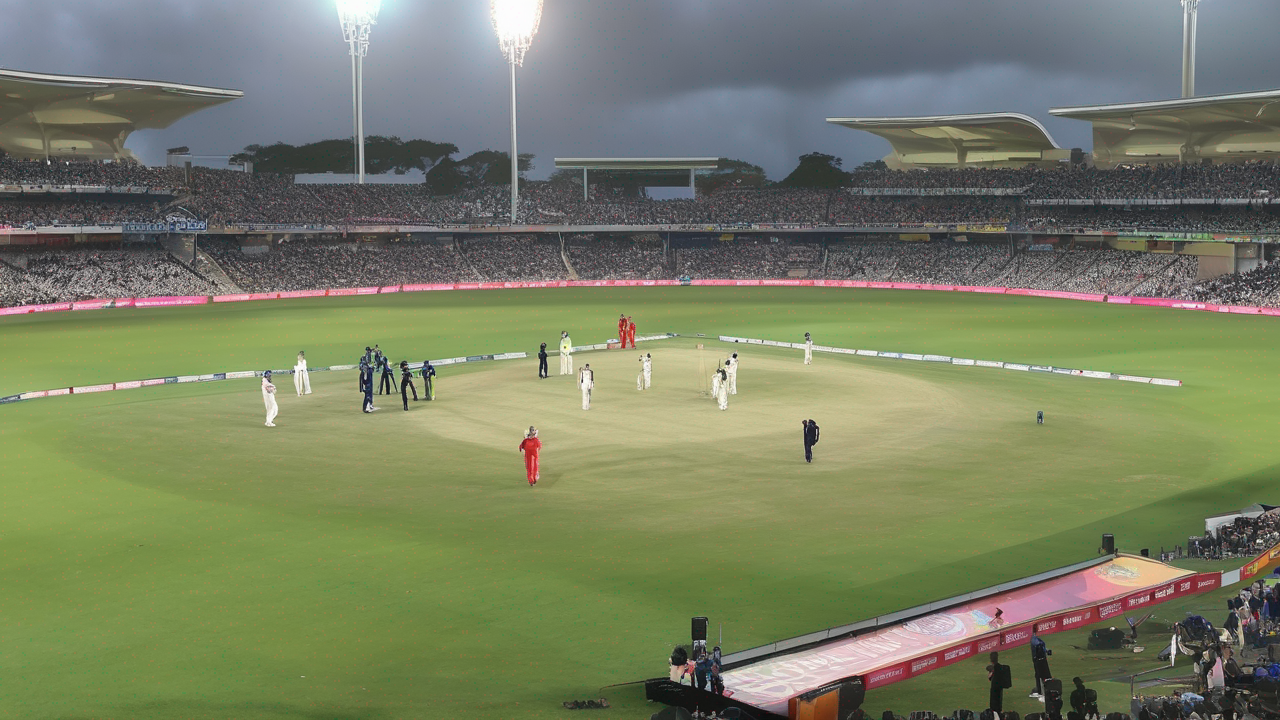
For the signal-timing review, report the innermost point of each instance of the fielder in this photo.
(715, 382)
(269, 399)
(722, 392)
(646, 372)
(622, 331)
(406, 383)
(301, 376)
(428, 380)
(631, 333)
(586, 381)
(566, 353)
(530, 447)
(366, 384)
(808, 349)
(731, 371)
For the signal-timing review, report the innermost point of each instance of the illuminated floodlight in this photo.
(515, 22)
(357, 18)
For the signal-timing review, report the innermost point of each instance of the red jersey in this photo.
(622, 327)
(531, 446)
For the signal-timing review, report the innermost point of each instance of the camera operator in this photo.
(1039, 663)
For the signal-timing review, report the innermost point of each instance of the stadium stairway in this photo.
(564, 255)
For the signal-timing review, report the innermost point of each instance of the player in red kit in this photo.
(622, 331)
(530, 447)
(631, 333)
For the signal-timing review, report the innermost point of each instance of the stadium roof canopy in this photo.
(1229, 128)
(44, 116)
(986, 139)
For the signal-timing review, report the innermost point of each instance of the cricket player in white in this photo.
(731, 370)
(646, 372)
(301, 376)
(269, 398)
(722, 391)
(566, 353)
(715, 382)
(586, 381)
(808, 349)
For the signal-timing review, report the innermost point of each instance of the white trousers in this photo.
(640, 381)
(722, 399)
(272, 408)
(715, 385)
(808, 355)
(733, 383)
(302, 381)
(586, 398)
(566, 364)
(648, 377)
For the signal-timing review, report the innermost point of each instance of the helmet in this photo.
(266, 373)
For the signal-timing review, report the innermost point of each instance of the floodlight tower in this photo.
(357, 18)
(1189, 8)
(515, 22)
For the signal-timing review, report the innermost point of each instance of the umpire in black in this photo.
(542, 361)
(406, 383)
(810, 438)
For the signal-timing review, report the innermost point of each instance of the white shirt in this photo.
(302, 364)
(566, 345)
(586, 378)
(648, 365)
(732, 366)
(267, 389)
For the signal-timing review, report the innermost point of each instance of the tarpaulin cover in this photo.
(925, 643)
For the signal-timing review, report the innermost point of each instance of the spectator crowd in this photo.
(226, 197)
(303, 264)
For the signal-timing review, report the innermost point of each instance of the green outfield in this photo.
(164, 555)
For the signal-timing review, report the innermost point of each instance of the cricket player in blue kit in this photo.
(366, 384)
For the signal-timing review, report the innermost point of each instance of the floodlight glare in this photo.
(515, 22)
(357, 17)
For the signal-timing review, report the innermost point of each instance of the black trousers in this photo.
(808, 452)
(386, 387)
(405, 386)
(542, 367)
(429, 388)
(996, 701)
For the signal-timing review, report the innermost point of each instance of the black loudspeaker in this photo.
(1146, 552)
(1077, 156)
(700, 629)
(852, 694)
(1108, 544)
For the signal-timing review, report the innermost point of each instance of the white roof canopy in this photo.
(986, 139)
(43, 115)
(1234, 127)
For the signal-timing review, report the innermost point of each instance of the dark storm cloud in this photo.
(739, 78)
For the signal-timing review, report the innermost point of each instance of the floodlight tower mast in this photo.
(1189, 8)
(357, 18)
(515, 22)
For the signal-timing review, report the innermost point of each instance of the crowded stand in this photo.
(601, 259)
(224, 267)
(305, 265)
(55, 212)
(515, 258)
(51, 277)
(97, 174)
